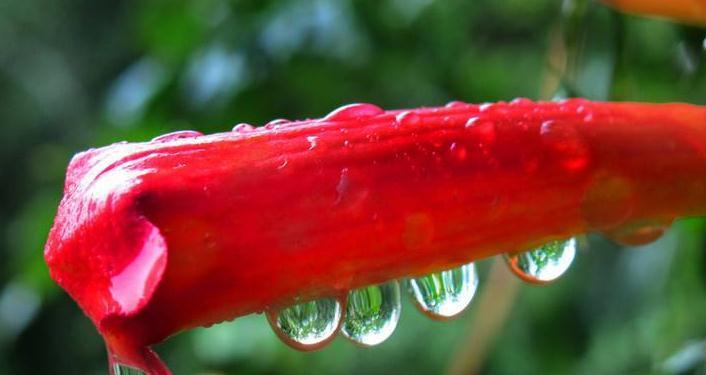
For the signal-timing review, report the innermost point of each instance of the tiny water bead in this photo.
(408, 118)
(372, 313)
(354, 111)
(456, 104)
(458, 152)
(276, 123)
(308, 325)
(444, 295)
(484, 130)
(545, 263)
(181, 134)
(243, 128)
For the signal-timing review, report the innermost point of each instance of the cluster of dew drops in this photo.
(368, 316)
(371, 313)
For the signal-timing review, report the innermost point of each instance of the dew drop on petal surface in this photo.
(372, 313)
(455, 104)
(408, 118)
(521, 102)
(181, 134)
(545, 263)
(354, 111)
(308, 325)
(565, 144)
(484, 130)
(243, 128)
(444, 295)
(485, 107)
(312, 141)
(458, 152)
(276, 123)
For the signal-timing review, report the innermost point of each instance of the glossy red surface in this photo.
(153, 238)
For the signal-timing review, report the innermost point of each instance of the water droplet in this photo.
(312, 141)
(181, 134)
(521, 102)
(354, 111)
(408, 118)
(458, 152)
(639, 233)
(608, 201)
(484, 130)
(485, 106)
(545, 263)
(243, 128)
(455, 104)
(565, 143)
(120, 369)
(308, 325)
(372, 313)
(444, 295)
(274, 124)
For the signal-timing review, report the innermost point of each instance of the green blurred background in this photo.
(85, 73)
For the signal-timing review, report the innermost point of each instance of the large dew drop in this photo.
(444, 295)
(308, 325)
(372, 313)
(545, 263)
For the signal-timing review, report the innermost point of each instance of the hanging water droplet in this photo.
(545, 263)
(354, 111)
(444, 295)
(120, 369)
(308, 325)
(638, 234)
(408, 118)
(243, 128)
(372, 313)
(181, 134)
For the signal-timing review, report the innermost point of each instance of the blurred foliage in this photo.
(76, 74)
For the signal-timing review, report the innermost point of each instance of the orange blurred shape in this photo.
(684, 11)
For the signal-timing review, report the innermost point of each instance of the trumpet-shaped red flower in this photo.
(190, 230)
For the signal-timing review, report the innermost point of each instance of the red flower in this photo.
(189, 230)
